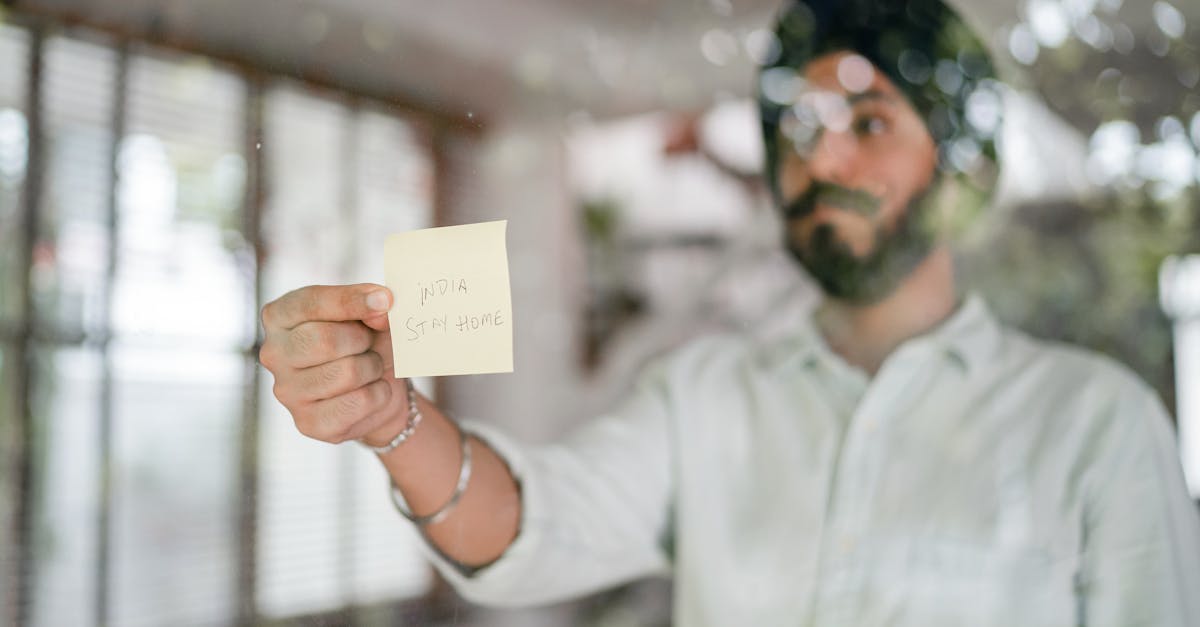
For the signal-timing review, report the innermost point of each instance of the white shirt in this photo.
(980, 478)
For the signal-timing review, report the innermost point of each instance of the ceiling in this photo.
(491, 58)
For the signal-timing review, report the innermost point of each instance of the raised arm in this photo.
(329, 349)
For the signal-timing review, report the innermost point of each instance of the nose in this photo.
(833, 156)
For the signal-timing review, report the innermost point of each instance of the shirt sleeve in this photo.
(594, 508)
(1141, 560)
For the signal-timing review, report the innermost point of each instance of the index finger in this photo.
(329, 303)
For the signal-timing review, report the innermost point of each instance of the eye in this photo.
(870, 125)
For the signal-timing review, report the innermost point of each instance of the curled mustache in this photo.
(833, 195)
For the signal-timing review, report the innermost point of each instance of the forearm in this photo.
(486, 518)
(589, 510)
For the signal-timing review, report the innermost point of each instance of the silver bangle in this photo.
(414, 419)
(464, 476)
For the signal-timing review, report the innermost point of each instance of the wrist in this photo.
(384, 434)
(402, 416)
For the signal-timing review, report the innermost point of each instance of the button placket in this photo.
(896, 388)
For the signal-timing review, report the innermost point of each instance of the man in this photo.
(901, 459)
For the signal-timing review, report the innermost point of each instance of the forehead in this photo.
(844, 72)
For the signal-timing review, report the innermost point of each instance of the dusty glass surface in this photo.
(623, 143)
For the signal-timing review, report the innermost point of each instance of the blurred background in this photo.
(167, 166)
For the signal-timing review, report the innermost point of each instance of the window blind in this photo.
(342, 178)
(159, 372)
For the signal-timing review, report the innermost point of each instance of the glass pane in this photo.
(66, 447)
(14, 49)
(177, 414)
(72, 247)
(182, 178)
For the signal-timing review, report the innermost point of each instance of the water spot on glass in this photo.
(1111, 150)
(1158, 43)
(1108, 74)
(800, 126)
(314, 26)
(964, 154)
(915, 67)
(1123, 38)
(762, 46)
(1169, 127)
(1168, 163)
(377, 38)
(831, 109)
(780, 85)
(1048, 20)
(718, 46)
(1022, 45)
(1189, 77)
(948, 76)
(1169, 20)
(1094, 33)
(855, 73)
(984, 109)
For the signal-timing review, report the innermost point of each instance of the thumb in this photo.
(331, 303)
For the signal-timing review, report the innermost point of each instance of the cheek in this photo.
(793, 178)
(903, 177)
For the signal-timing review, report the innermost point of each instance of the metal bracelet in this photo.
(414, 419)
(464, 476)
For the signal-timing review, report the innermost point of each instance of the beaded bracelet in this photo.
(414, 419)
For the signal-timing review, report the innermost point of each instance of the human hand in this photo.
(329, 348)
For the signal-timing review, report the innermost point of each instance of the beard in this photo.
(860, 280)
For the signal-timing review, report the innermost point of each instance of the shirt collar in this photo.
(969, 337)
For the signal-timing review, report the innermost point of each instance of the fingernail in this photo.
(378, 300)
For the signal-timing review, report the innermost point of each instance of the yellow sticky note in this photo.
(452, 308)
